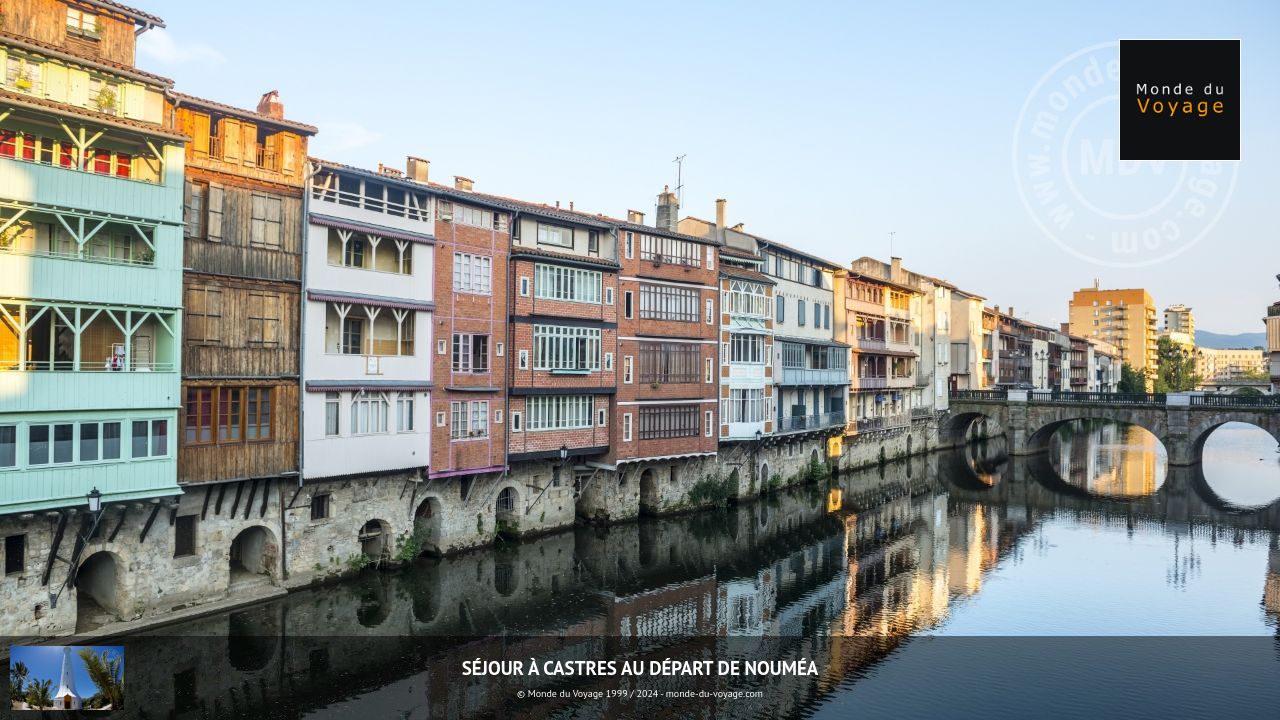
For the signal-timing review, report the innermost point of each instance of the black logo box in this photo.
(1187, 68)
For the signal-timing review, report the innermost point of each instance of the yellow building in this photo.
(1125, 318)
(1180, 319)
(1214, 364)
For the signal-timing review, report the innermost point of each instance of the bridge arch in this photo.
(1043, 422)
(956, 429)
(1200, 432)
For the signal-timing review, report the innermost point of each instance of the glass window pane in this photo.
(111, 441)
(38, 444)
(88, 442)
(140, 438)
(8, 445)
(62, 442)
(159, 438)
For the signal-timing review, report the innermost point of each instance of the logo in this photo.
(1180, 99)
(1087, 198)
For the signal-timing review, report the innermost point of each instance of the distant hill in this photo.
(1204, 338)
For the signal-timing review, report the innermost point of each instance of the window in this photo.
(497, 416)
(602, 417)
(626, 305)
(524, 287)
(469, 419)
(561, 348)
(782, 309)
(320, 506)
(197, 201)
(332, 406)
(204, 315)
(150, 438)
(629, 249)
(792, 355)
(15, 554)
(470, 353)
(184, 536)
(523, 360)
(440, 419)
(608, 361)
(111, 441)
(608, 296)
(662, 302)
(230, 414)
(626, 369)
(369, 414)
(708, 423)
(257, 424)
(199, 430)
(517, 422)
(746, 349)
(473, 216)
(8, 446)
(353, 252)
(668, 421)
(553, 282)
(81, 23)
(746, 405)
(669, 362)
(711, 311)
(352, 335)
(38, 445)
(626, 427)
(264, 221)
(264, 320)
(711, 258)
(404, 412)
(472, 273)
(559, 412)
(800, 313)
(669, 250)
(745, 298)
(709, 370)
(554, 235)
(593, 242)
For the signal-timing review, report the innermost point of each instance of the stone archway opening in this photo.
(99, 591)
(374, 540)
(649, 502)
(253, 557)
(1102, 457)
(1240, 463)
(762, 477)
(505, 516)
(427, 522)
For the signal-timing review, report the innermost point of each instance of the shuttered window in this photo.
(265, 225)
(264, 320)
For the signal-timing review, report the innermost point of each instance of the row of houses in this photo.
(230, 367)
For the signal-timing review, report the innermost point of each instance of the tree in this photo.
(40, 694)
(107, 673)
(1176, 367)
(1132, 380)
(18, 674)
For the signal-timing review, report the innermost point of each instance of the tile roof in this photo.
(369, 229)
(34, 45)
(146, 18)
(738, 252)
(601, 262)
(41, 104)
(637, 227)
(745, 274)
(232, 110)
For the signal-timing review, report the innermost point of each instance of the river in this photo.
(1091, 581)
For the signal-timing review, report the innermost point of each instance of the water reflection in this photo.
(1109, 459)
(1242, 465)
(847, 575)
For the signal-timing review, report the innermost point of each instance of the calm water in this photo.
(1091, 581)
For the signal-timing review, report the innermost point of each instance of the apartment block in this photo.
(1125, 318)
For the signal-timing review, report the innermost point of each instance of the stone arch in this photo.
(955, 429)
(375, 540)
(1043, 423)
(762, 478)
(506, 577)
(428, 520)
(814, 458)
(101, 596)
(506, 509)
(1199, 434)
(254, 553)
(649, 492)
(252, 636)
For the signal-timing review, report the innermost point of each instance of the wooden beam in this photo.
(222, 491)
(236, 504)
(295, 497)
(53, 547)
(266, 495)
(78, 548)
(248, 503)
(146, 527)
(124, 512)
(204, 511)
(173, 515)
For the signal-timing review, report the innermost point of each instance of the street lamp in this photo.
(564, 453)
(94, 497)
(95, 501)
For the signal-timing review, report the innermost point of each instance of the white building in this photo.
(67, 698)
(367, 323)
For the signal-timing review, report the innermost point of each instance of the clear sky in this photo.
(826, 126)
(44, 662)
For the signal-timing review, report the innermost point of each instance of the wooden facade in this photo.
(244, 225)
(107, 34)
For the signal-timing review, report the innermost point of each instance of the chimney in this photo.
(271, 106)
(721, 211)
(570, 206)
(416, 168)
(1097, 284)
(1012, 314)
(462, 183)
(895, 269)
(668, 210)
(635, 216)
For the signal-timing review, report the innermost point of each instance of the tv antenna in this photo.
(679, 161)
(891, 234)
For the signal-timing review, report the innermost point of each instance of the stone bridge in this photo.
(1181, 422)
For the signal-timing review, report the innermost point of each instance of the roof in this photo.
(881, 281)
(738, 252)
(767, 243)
(745, 274)
(45, 48)
(28, 101)
(232, 110)
(133, 13)
(357, 385)
(369, 300)
(518, 250)
(540, 209)
(651, 230)
(369, 229)
(403, 182)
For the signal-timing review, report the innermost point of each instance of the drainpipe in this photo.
(511, 352)
(302, 361)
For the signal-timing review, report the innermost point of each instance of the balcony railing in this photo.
(886, 422)
(104, 366)
(1236, 400)
(979, 394)
(798, 423)
(815, 376)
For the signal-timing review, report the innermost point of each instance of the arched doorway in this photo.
(648, 492)
(426, 522)
(763, 480)
(373, 541)
(98, 592)
(253, 557)
(504, 511)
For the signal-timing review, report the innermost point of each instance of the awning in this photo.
(749, 326)
(370, 300)
(890, 353)
(372, 385)
(369, 229)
